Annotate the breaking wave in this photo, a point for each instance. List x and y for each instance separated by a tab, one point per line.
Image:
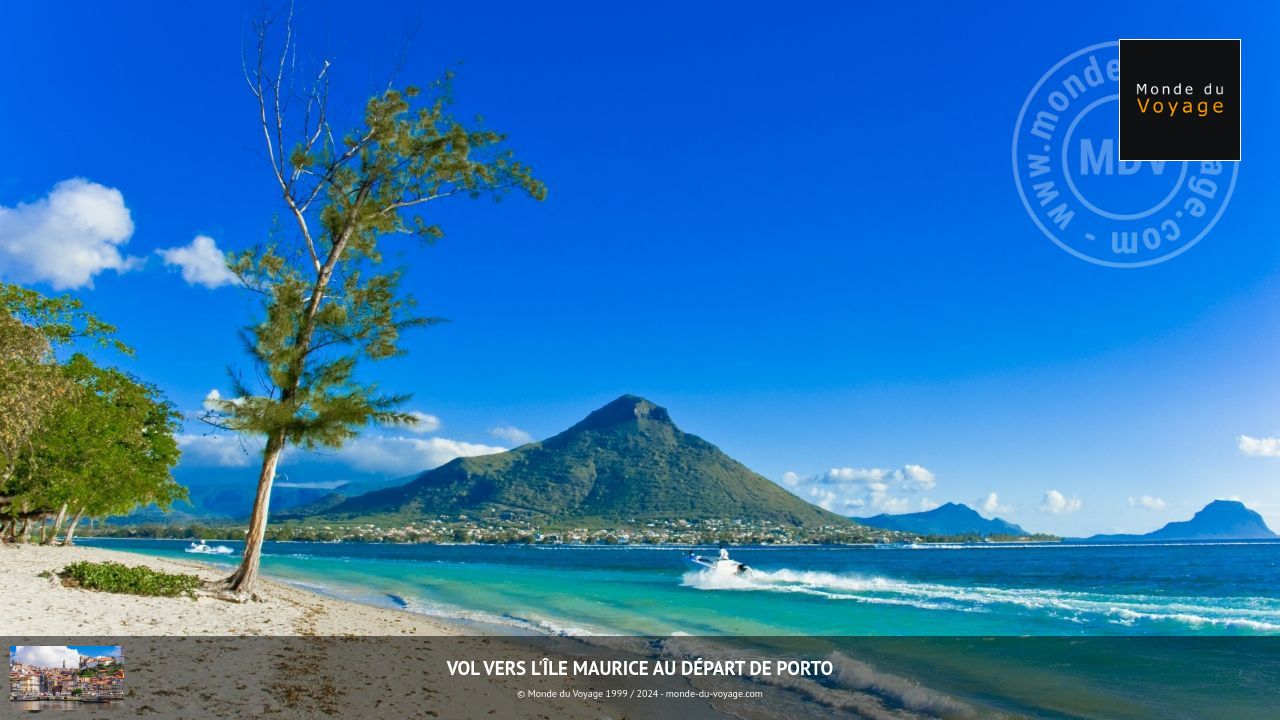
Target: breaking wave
1155	613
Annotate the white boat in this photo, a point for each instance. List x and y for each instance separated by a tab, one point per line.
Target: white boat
203	548
719	565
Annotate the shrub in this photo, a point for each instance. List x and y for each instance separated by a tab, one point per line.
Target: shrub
117	578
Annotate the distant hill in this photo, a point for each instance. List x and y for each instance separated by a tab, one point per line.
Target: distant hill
1219	520
228	501
949	519
626	462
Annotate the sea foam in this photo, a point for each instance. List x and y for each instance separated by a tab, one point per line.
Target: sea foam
1155	613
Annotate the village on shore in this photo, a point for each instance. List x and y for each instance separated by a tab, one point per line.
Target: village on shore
507	530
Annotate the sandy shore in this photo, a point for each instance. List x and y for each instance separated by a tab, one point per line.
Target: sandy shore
32	605
304	655
296	655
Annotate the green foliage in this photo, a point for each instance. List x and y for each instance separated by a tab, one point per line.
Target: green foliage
62	320
30	387
329	300
75	436
626	462
106	448
118	578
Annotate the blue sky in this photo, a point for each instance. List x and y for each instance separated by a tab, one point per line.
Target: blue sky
795	228
56	656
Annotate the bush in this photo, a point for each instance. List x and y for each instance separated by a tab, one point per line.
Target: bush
118	578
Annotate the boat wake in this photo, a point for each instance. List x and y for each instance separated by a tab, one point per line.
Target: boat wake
204	548
1136	613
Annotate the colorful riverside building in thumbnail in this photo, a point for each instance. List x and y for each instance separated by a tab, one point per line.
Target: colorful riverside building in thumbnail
96	679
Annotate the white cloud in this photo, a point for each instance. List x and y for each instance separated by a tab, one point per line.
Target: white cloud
396	455
912	476
919	478
991	505
66	238
1260	447
426	423
201	262
1057	503
322	485
1147	502
865	491
221	450
47	656
392	455
214	402
511	434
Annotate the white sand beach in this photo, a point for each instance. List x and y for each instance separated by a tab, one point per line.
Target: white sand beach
36	606
296	655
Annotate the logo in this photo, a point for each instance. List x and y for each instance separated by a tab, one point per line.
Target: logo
1180	100
1107	211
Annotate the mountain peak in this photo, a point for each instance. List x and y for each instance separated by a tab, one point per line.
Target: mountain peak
625	463
957	510
948	519
1219	520
625	409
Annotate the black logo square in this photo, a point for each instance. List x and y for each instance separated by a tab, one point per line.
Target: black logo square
1179	100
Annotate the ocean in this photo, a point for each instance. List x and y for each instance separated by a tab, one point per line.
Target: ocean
1217	588
1055	631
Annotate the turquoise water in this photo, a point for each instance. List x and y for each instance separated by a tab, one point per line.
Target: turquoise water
982	590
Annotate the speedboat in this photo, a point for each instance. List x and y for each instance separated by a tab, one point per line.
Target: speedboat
719	565
203	548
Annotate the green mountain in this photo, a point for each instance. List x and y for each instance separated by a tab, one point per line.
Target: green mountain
624	463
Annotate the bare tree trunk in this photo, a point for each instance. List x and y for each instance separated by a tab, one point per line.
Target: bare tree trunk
71	529
44	527
25	536
57	526
244	579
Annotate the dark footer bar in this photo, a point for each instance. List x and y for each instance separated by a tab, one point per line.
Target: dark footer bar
678	677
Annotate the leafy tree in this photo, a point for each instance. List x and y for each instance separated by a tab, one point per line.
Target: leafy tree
74	436
31	387
328	299
107	448
31	326
127	456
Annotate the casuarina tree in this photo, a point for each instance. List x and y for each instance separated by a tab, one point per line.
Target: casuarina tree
329	300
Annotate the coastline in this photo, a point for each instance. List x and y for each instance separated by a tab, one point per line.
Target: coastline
299	654
39	606
308	653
